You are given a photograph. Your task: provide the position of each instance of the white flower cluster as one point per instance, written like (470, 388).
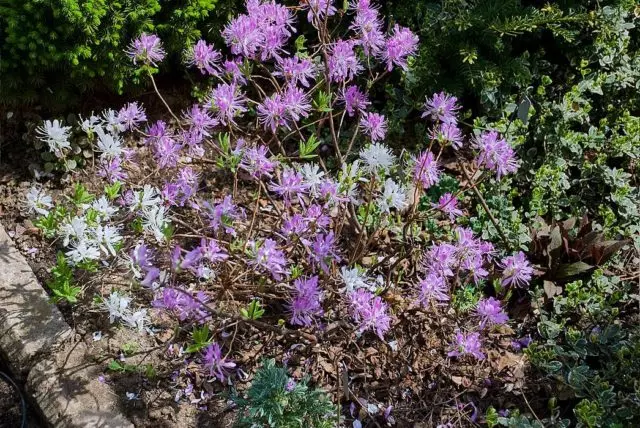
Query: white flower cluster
(88, 240)
(148, 203)
(355, 279)
(107, 128)
(118, 307)
(38, 202)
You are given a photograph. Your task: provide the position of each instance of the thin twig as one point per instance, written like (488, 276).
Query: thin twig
(486, 208)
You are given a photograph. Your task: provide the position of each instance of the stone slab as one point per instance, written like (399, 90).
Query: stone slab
(61, 376)
(30, 325)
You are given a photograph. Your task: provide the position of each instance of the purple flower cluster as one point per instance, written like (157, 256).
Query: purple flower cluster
(111, 170)
(260, 34)
(426, 171)
(354, 100)
(279, 110)
(131, 115)
(401, 44)
(448, 134)
(181, 190)
(142, 265)
(199, 120)
(374, 125)
(256, 162)
(215, 364)
(296, 70)
(467, 344)
(222, 215)
(433, 288)
(205, 57)
(184, 304)
(448, 204)
(442, 108)
(227, 102)
(490, 312)
(516, 270)
(370, 312)
(292, 185)
(306, 301)
(496, 154)
(343, 62)
(367, 25)
(322, 251)
(265, 256)
(318, 9)
(147, 49)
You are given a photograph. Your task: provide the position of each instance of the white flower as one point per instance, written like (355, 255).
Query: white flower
(117, 306)
(354, 279)
(83, 251)
(132, 396)
(155, 221)
(394, 196)
(313, 176)
(109, 145)
(377, 156)
(103, 208)
(89, 125)
(76, 229)
(136, 319)
(146, 199)
(112, 122)
(350, 171)
(55, 135)
(38, 201)
(107, 237)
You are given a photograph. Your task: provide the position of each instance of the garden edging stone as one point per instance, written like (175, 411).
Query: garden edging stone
(36, 341)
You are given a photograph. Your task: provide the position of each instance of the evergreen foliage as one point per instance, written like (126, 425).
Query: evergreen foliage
(54, 50)
(275, 400)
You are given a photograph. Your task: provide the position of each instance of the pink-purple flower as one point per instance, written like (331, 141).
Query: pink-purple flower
(368, 28)
(204, 57)
(318, 9)
(296, 70)
(433, 287)
(322, 250)
(272, 113)
(257, 163)
(227, 103)
(354, 100)
(223, 215)
(490, 312)
(448, 133)
(374, 125)
(343, 62)
(442, 107)
(467, 344)
(370, 312)
(516, 270)
(131, 115)
(147, 48)
(292, 185)
(267, 257)
(306, 301)
(426, 171)
(448, 204)
(496, 154)
(215, 363)
(401, 44)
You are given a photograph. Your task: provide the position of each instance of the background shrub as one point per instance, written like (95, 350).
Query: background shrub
(53, 51)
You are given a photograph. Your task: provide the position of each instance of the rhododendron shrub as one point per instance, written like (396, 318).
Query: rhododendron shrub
(306, 186)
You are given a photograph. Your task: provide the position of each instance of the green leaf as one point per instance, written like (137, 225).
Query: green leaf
(572, 269)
